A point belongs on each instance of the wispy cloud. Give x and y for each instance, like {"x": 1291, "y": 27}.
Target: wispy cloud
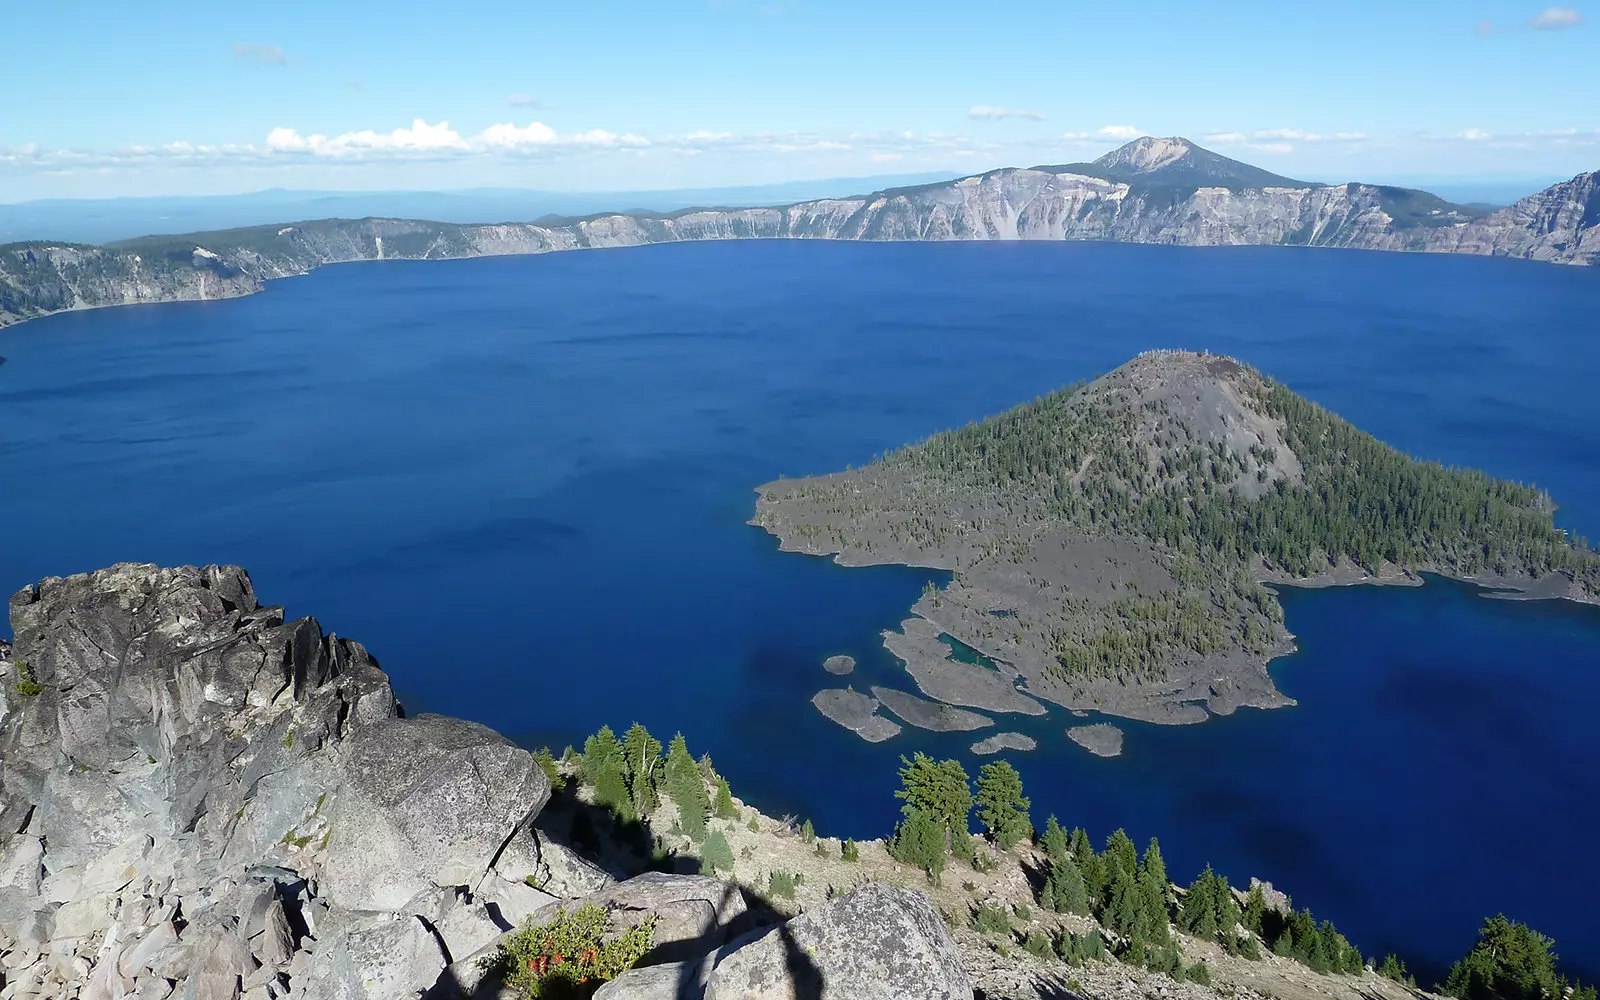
{"x": 1278, "y": 141}
{"x": 1123, "y": 132}
{"x": 260, "y": 55}
{"x": 1549, "y": 19}
{"x": 991, "y": 112}
{"x": 523, "y": 101}
{"x": 1555, "y": 19}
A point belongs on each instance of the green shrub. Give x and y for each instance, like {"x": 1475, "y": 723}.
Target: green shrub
{"x": 991, "y": 919}
{"x": 782, "y": 884}
{"x": 716, "y": 854}
{"x": 1038, "y": 945}
{"x": 27, "y": 686}
{"x": 822, "y": 848}
{"x": 1394, "y": 968}
{"x": 808, "y": 833}
{"x": 570, "y": 957}
{"x": 1076, "y": 949}
{"x": 552, "y": 771}
{"x": 1200, "y": 973}
{"x": 849, "y": 851}
{"x": 754, "y": 826}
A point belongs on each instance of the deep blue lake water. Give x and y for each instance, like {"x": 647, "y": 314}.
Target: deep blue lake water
{"x": 523, "y": 483}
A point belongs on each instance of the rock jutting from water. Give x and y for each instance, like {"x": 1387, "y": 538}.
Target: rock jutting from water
{"x": 856, "y": 712}
{"x": 946, "y": 679}
{"x": 1101, "y": 739}
{"x": 1004, "y": 741}
{"x": 935, "y": 716}
{"x": 202, "y": 800}
{"x": 839, "y": 665}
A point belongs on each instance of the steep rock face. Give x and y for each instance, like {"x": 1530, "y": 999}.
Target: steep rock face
{"x": 1153, "y": 190}
{"x": 193, "y": 788}
{"x": 1560, "y": 224}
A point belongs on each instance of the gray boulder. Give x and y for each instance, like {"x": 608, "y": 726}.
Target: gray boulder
{"x": 383, "y": 956}
{"x": 532, "y": 854}
{"x": 673, "y": 981}
{"x": 877, "y": 943}
{"x": 424, "y": 802}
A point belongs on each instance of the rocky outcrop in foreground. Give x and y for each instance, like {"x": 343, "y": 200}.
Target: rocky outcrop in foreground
{"x": 202, "y": 800}
{"x": 1150, "y": 191}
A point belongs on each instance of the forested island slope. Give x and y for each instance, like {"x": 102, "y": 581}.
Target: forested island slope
{"x": 1111, "y": 541}
{"x": 1150, "y": 191}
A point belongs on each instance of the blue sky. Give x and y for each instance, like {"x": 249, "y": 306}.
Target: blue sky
{"x": 102, "y": 99}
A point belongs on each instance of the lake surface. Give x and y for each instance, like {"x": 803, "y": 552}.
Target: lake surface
{"x": 523, "y": 483}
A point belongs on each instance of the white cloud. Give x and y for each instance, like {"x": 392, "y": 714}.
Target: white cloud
{"x": 419, "y": 138}
{"x": 523, "y": 101}
{"x": 1473, "y": 135}
{"x": 1123, "y": 132}
{"x": 1272, "y": 140}
{"x": 1555, "y": 19}
{"x": 992, "y": 113}
{"x": 1295, "y": 135}
{"x": 509, "y": 135}
{"x": 1549, "y": 19}
{"x": 260, "y": 55}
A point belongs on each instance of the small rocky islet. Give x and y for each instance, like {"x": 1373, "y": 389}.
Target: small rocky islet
{"x": 1101, "y": 739}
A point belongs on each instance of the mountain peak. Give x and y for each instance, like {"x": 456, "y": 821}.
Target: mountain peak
{"x": 1175, "y": 162}
{"x": 1147, "y": 154}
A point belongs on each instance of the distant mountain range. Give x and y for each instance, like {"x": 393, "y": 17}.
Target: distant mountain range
{"x": 1152, "y": 190}
{"x": 104, "y": 220}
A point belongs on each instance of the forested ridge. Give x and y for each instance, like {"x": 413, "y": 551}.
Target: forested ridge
{"x": 1360, "y": 498}
{"x": 1228, "y": 476}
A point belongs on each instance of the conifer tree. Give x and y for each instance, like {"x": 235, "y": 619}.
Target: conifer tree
{"x": 1064, "y": 890}
{"x": 1228, "y": 916}
{"x": 1509, "y": 961}
{"x": 724, "y": 807}
{"x": 941, "y": 790}
{"x": 611, "y": 790}
{"x": 641, "y": 758}
{"x": 1255, "y": 910}
{"x": 687, "y": 791}
{"x": 1090, "y": 866}
{"x": 1054, "y": 841}
{"x": 599, "y": 749}
{"x": 1198, "y": 916}
{"x": 1120, "y": 853}
{"x": 920, "y": 842}
{"x": 1153, "y": 889}
{"x": 1002, "y": 808}
{"x": 1123, "y": 907}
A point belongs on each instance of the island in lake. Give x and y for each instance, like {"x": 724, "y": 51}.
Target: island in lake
{"x": 1113, "y": 543}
